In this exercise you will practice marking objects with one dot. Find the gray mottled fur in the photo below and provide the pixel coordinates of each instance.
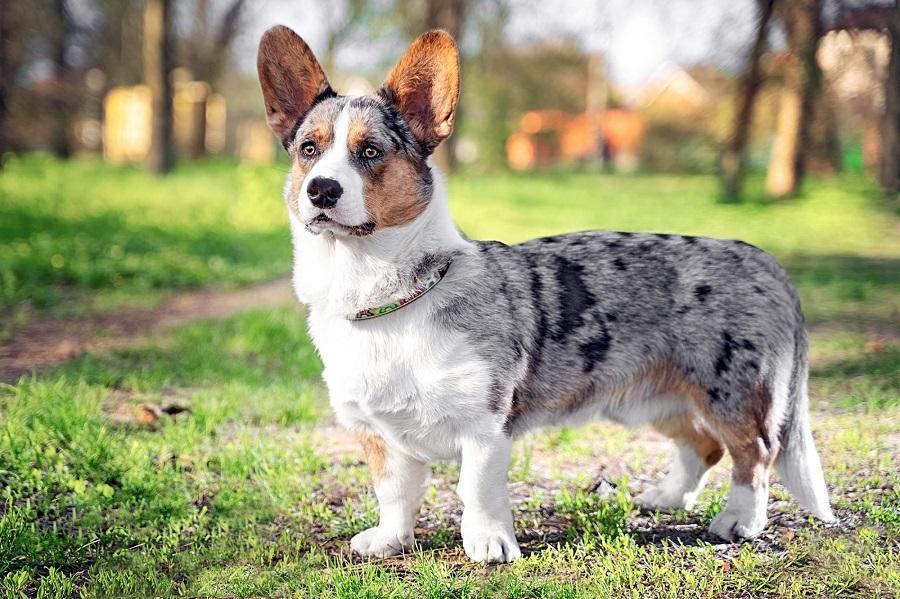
(576, 314)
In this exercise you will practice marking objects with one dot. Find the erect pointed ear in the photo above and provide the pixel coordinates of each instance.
(291, 79)
(424, 86)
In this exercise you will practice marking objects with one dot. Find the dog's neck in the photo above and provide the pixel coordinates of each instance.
(339, 276)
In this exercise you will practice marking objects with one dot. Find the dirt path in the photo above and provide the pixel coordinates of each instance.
(43, 342)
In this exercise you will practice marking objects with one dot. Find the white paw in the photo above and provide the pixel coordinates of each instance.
(492, 545)
(665, 499)
(378, 542)
(732, 525)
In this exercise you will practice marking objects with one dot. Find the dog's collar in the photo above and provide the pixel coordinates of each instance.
(418, 291)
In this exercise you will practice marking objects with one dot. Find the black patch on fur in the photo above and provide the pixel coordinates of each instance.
(723, 362)
(515, 408)
(701, 291)
(689, 239)
(595, 351)
(574, 297)
(620, 264)
(626, 234)
(662, 235)
(496, 396)
(759, 290)
(537, 302)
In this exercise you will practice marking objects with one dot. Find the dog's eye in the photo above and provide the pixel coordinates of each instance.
(308, 149)
(371, 152)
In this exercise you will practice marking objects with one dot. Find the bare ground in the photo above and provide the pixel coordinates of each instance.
(43, 342)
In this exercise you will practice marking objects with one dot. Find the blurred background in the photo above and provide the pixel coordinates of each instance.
(163, 425)
(699, 86)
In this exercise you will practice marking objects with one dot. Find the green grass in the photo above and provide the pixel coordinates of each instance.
(253, 493)
(80, 233)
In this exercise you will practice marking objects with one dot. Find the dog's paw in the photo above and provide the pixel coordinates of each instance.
(665, 499)
(379, 542)
(732, 525)
(493, 546)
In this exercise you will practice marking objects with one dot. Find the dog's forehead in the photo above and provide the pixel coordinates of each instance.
(321, 117)
(367, 116)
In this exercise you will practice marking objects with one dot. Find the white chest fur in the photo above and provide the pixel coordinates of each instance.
(403, 378)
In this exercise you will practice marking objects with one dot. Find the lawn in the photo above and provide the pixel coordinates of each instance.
(202, 461)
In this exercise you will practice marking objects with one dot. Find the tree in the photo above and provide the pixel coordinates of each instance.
(7, 73)
(733, 159)
(879, 17)
(61, 101)
(890, 165)
(205, 48)
(157, 50)
(801, 78)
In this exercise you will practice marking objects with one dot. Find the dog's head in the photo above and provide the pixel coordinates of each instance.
(359, 163)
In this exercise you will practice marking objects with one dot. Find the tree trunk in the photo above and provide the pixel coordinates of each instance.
(449, 15)
(734, 156)
(801, 81)
(60, 100)
(890, 142)
(6, 75)
(157, 51)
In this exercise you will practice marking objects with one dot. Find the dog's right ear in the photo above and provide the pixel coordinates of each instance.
(291, 79)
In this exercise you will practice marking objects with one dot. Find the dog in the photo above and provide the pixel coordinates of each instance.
(436, 347)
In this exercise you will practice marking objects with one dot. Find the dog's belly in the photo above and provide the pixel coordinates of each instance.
(418, 388)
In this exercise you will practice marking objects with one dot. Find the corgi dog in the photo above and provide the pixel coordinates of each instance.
(437, 347)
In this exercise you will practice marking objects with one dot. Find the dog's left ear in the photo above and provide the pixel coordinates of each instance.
(424, 86)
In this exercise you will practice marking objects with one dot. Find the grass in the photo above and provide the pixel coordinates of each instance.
(252, 493)
(80, 234)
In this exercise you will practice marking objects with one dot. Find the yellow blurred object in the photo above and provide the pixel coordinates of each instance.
(216, 121)
(126, 130)
(255, 143)
(189, 107)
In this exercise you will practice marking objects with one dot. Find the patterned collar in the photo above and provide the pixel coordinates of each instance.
(418, 291)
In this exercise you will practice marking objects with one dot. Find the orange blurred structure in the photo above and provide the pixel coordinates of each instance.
(546, 137)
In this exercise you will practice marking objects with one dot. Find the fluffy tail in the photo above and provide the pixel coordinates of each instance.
(798, 463)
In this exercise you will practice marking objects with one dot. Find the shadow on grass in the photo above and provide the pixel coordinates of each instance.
(848, 292)
(106, 251)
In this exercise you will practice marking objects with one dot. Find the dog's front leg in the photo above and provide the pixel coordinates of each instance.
(399, 486)
(487, 524)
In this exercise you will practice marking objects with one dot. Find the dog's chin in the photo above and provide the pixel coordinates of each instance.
(321, 223)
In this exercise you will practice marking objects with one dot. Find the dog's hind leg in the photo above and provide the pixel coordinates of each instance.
(698, 451)
(753, 447)
(399, 487)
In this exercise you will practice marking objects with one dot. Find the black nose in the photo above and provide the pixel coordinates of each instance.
(324, 192)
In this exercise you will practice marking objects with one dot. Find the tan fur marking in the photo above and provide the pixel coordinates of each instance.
(685, 429)
(425, 86)
(357, 132)
(393, 198)
(666, 379)
(376, 453)
(743, 435)
(298, 174)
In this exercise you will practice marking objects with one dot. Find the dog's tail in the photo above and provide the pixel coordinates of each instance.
(798, 463)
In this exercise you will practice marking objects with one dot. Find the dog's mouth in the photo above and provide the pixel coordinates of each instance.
(322, 222)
